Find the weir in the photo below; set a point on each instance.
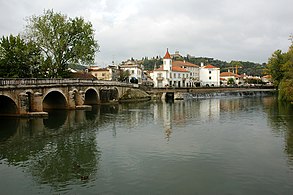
(200, 94)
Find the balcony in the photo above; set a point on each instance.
(160, 78)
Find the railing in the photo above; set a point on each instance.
(27, 82)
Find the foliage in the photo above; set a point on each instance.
(280, 66)
(64, 41)
(19, 59)
(231, 81)
(274, 67)
(123, 75)
(153, 63)
(286, 90)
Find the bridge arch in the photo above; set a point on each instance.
(109, 94)
(7, 105)
(91, 96)
(54, 100)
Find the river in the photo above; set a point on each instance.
(228, 145)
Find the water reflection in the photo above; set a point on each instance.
(65, 149)
(58, 151)
(281, 121)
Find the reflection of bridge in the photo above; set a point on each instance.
(21, 97)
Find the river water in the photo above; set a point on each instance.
(209, 146)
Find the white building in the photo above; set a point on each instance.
(209, 76)
(135, 70)
(226, 76)
(193, 69)
(169, 75)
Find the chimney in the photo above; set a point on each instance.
(201, 64)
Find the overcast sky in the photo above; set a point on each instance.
(247, 30)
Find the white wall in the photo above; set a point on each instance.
(209, 76)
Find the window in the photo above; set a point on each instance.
(210, 78)
(210, 72)
(159, 75)
(103, 74)
(170, 75)
(132, 72)
(174, 75)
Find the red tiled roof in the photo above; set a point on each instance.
(161, 68)
(167, 55)
(178, 69)
(209, 66)
(184, 63)
(227, 74)
(174, 68)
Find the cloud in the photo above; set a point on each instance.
(246, 30)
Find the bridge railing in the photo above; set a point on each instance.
(16, 82)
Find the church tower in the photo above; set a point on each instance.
(167, 61)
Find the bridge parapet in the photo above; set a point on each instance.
(29, 82)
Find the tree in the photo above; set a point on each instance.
(274, 67)
(123, 75)
(62, 40)
(280, 66)
(19, 59)
(231, 81)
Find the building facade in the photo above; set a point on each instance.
(209, 76)
(170, 75)
(135, 70)
(193, 79)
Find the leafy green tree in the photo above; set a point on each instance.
(280, 66)
(123, 75)
(231, 81)
(63, 41)
(274, 67)
(19, 59)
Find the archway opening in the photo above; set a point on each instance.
(30, 100)
(7, 105)
(91, 97)
(108, 95)
(114, 94)
(54, 101)
(169, 97)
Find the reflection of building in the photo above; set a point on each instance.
(163, 113)
(209, 109)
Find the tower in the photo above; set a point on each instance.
(167, 61)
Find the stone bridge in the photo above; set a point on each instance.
(26, 97)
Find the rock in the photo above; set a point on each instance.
(135, 95)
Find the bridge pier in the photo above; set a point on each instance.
(37, 103)
(23, 103)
